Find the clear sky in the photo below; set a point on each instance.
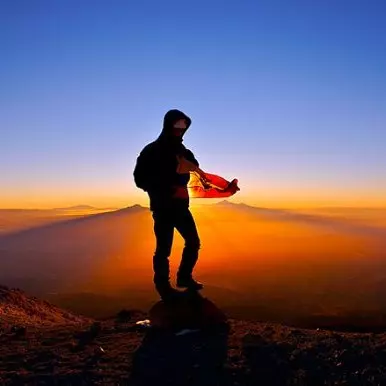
(287, 96)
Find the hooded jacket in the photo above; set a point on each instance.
(156, 167)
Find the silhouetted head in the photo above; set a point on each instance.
(176, 123)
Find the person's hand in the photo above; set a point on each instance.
(184, 166)
(233, 188)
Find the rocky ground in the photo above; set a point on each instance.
(43, 345)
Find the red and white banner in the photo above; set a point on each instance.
(205, 185)
(211, 186)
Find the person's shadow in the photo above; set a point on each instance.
(187, 345)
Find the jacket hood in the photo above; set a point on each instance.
(170, 118)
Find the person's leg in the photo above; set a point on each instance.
(186, 226)
(163, 230)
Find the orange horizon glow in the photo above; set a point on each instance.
(259, 244)
(121, 193)
(287, 200)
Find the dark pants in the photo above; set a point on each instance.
(164, 224)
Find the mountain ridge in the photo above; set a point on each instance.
(120, 351)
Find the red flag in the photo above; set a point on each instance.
(208, 185)
(202, 184)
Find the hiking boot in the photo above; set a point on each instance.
(189, 283)
(168, 293)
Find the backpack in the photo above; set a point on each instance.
(141, 175)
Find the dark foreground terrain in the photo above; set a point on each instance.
(41, 344)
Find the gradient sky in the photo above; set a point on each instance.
(287, 96)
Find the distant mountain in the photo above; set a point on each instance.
(317, 219)
(225, 203)
(56, 254)
(13, 220)
(84, 208)
(77, 207)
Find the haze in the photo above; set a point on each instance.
(256, 263)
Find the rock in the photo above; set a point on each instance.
(96, 328)
(187, 313)
(296, 333)
(19, 331)
(89, 335)
(99, 350)
(143, 324)
(124, 316)
(253, 340)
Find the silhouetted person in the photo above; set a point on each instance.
(156, 173)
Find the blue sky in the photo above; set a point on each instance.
(287, 96)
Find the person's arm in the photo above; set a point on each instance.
(190, 157)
